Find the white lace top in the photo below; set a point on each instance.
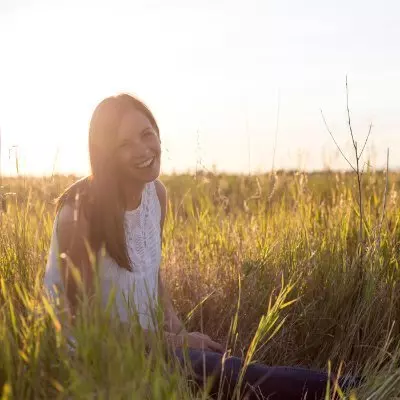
(137, 290)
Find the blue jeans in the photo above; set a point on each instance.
(260, 381)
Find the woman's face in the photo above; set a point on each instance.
(138, 148)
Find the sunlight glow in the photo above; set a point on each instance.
(211, 73)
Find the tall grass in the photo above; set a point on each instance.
(233, 247)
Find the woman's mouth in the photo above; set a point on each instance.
(145, 164)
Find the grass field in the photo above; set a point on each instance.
(237, 251)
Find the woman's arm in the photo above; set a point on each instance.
(176, 334)
(172, 322)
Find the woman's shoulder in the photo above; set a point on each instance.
(72, 204)
(162, 197)
(70, 213)
(72, 219)
(161, 191)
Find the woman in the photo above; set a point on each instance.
(121, 208)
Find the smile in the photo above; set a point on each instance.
(146, 163)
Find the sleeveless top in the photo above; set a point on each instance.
(136, 291)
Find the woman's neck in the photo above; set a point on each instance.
(133, 194)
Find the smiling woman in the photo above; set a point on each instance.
(122, 208)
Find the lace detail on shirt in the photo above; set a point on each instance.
(142, 232)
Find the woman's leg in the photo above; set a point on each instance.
(259, 381)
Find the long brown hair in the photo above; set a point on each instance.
(99, 195)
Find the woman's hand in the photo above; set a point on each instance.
(197, 340)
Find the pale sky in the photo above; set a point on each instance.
(213, 72)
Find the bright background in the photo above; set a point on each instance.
(218, 75)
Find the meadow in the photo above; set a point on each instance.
(274, 265)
